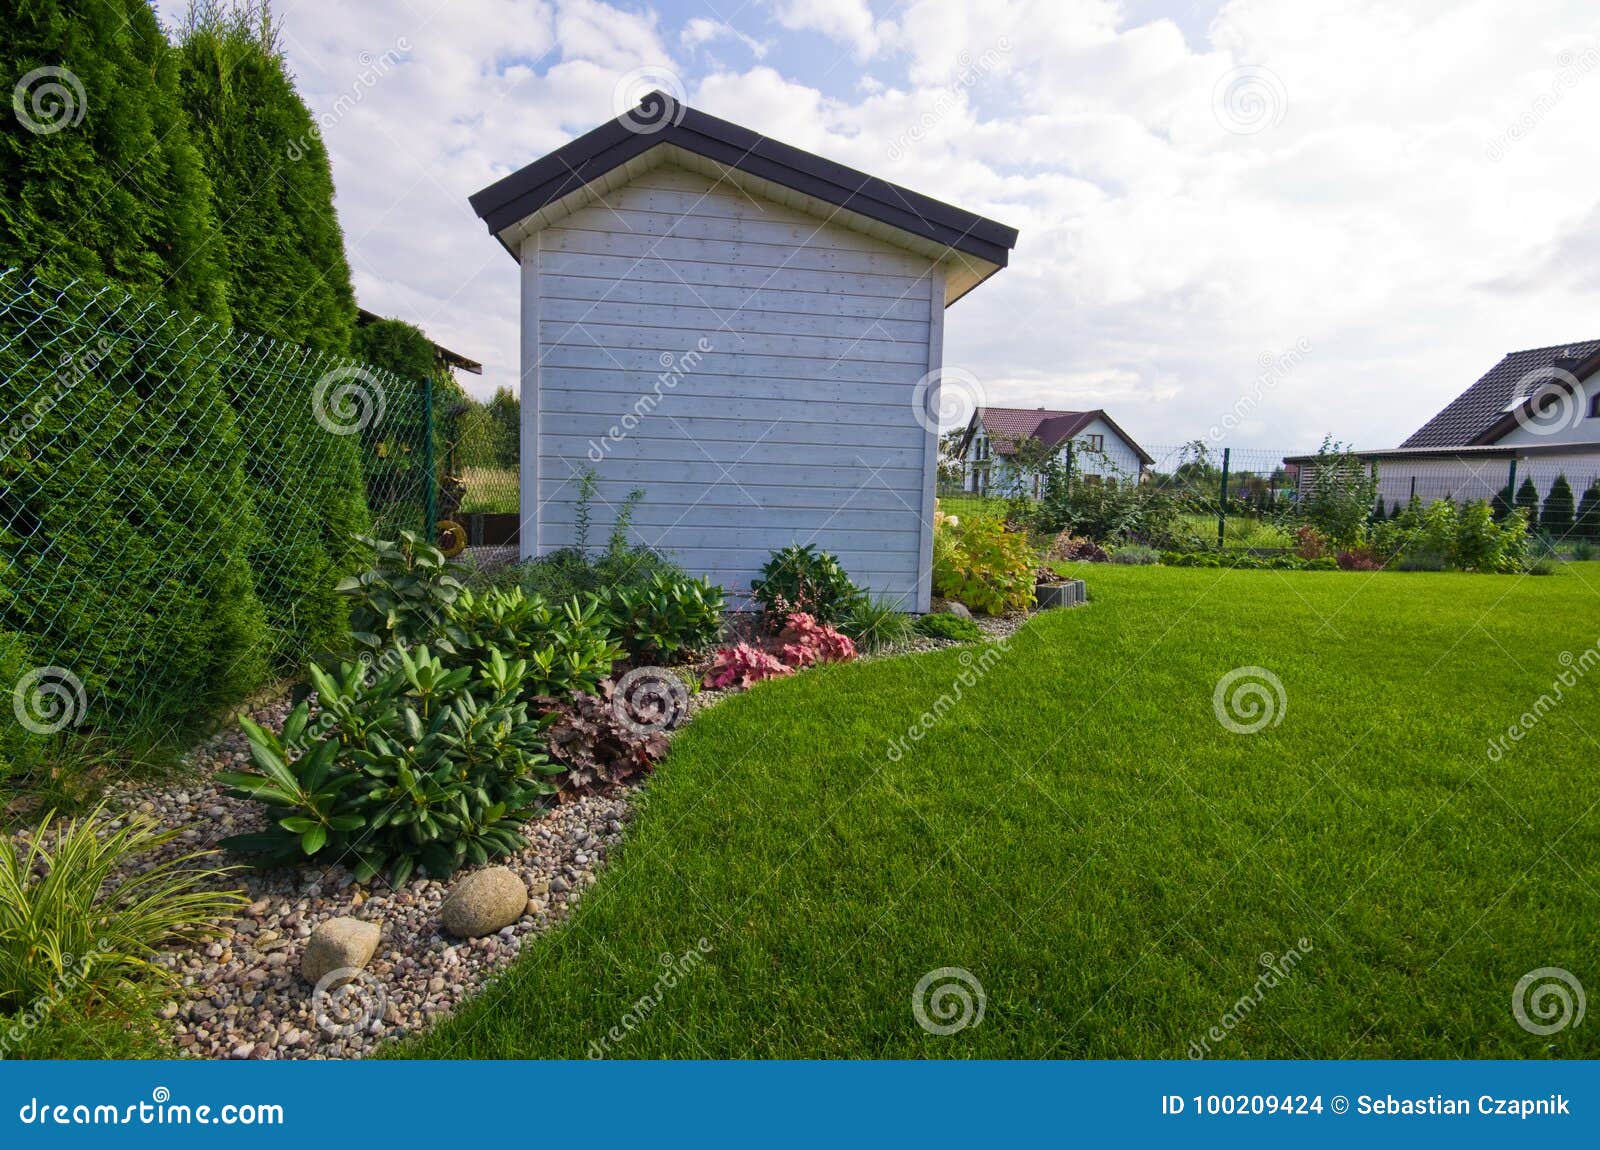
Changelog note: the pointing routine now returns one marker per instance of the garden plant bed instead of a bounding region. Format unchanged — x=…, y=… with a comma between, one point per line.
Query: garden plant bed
x=1083, y=835
x=242, y=994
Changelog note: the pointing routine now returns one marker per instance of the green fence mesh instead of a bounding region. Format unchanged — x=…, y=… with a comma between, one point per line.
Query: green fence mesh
x=177, y=500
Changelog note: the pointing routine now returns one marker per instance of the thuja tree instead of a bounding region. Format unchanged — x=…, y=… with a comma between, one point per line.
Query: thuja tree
x=1528, y=500
x=288, y=279
x=99, y=175
x=1586, y=523
x=1555, y=519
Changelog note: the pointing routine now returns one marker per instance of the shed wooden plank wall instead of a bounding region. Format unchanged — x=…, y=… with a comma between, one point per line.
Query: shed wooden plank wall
x=751, y=368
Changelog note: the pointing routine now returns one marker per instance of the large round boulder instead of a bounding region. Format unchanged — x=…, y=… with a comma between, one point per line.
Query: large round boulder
x=339, y=944
x=483, y=902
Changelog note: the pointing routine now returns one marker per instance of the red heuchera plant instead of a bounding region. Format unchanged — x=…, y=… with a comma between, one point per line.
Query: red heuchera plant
x=742, y=666
x=804, y=641
x=1309, y=543
x=1360, y=559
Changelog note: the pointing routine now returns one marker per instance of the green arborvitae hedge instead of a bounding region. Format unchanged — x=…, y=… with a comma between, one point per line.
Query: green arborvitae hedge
x=289, y=280
x=125, y=517
x=1556, y=517
x=1587, y=520
x=1528, y=500
x=115, y=189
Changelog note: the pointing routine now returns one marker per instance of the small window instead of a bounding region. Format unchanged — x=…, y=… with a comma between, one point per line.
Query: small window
x=1594, y=406
x=1095, y=442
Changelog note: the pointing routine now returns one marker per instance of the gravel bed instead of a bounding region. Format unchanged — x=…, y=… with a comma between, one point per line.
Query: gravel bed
x=242, y=992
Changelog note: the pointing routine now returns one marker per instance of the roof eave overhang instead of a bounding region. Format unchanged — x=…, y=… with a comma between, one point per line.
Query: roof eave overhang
x=971, y=247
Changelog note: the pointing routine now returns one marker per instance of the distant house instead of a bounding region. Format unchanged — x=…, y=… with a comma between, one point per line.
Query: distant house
x=1534, y=415
x=1089, y=442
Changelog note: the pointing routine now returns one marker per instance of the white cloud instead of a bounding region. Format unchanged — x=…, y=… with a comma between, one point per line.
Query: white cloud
x=699, y=32
x=849, y=21
x=1162, y=255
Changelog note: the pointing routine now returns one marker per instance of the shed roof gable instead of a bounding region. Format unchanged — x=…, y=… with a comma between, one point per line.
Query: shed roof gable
x=662, y=129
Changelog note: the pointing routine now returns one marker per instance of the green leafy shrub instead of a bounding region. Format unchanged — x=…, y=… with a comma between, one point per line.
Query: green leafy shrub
x=1245, y=561
x=985, y=566
x=876, y=622
x=1342, y=491
x=1108, y=511
x=944, y=625
x=801, y=578
x=1543, y=565
x=81, y=906
x=418, y=766
x=590, y=744
x=567, y=647
x=404, y=597
x=668, y=616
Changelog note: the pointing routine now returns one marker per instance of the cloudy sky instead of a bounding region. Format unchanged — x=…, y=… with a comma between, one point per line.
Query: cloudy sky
x=1317, y=215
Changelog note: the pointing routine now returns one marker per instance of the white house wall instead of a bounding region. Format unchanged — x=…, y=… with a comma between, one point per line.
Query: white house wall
x=1582, y=428
x=747, y=367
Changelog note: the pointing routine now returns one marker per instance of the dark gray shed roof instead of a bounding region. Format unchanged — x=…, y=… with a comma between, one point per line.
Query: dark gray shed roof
x=1481, y=413
x=660, y=119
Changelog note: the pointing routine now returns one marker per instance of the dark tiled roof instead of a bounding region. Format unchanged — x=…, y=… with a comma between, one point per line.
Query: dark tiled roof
x=1482, y=406
x=660, y=119
x=1006, y=425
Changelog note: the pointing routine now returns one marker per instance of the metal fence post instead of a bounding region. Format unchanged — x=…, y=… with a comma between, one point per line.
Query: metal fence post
x=430, y=488
x=1222, y=502
x=1511, y=486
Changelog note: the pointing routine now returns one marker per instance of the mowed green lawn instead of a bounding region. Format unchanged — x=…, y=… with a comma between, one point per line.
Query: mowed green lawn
x=1082, y=835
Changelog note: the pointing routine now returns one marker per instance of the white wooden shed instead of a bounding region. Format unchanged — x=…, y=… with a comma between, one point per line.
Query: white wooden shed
x=747, y=332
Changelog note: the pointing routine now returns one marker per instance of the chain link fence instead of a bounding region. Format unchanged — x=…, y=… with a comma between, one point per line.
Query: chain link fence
x=177, y=501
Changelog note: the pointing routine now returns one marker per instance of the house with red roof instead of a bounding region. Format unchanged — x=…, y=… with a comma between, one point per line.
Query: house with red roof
x=1089, y=443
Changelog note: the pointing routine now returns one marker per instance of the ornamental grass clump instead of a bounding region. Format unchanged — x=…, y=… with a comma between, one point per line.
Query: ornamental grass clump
x=84, y=910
